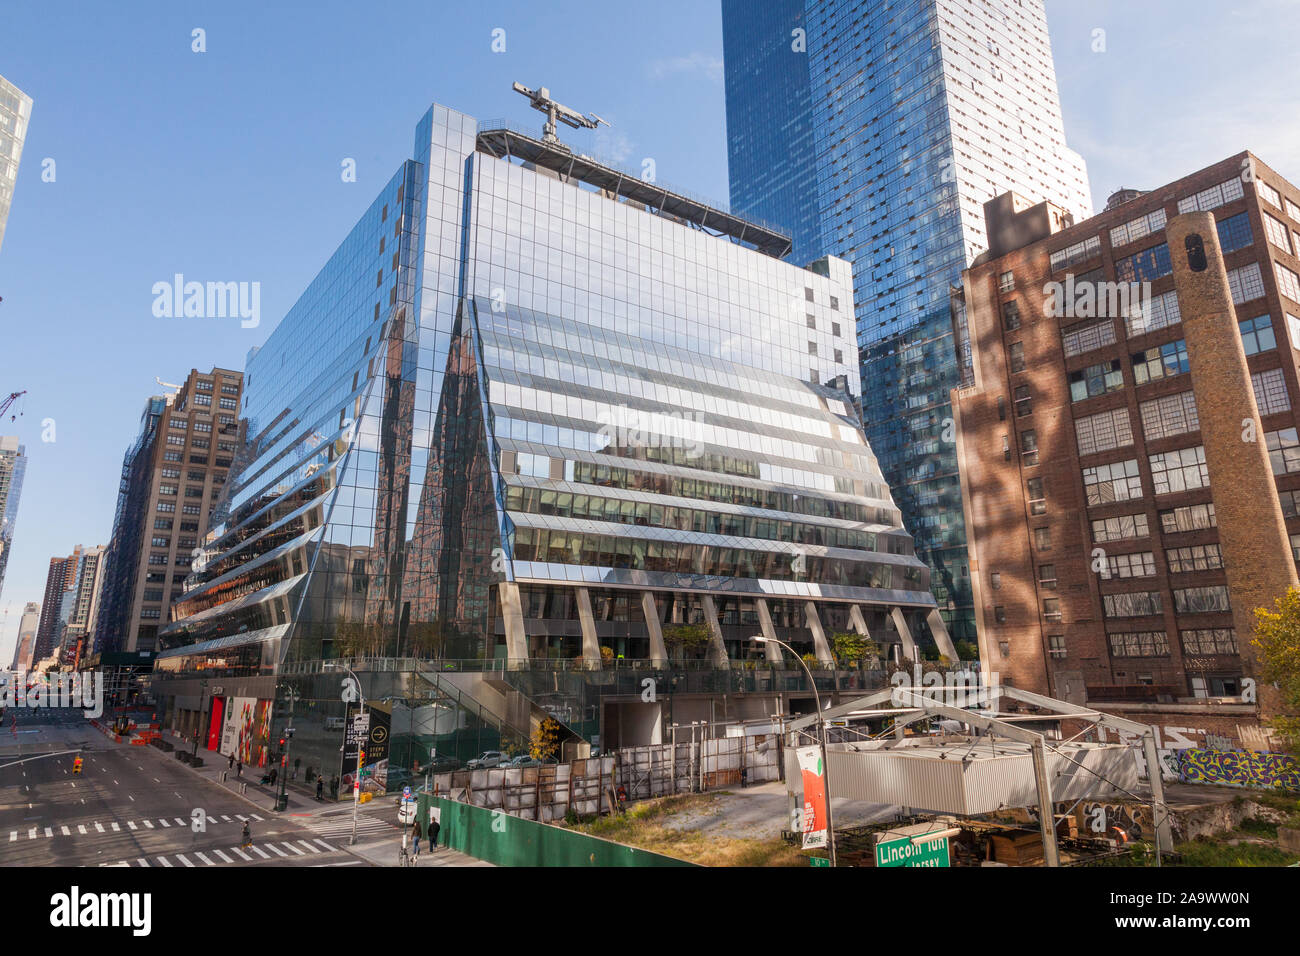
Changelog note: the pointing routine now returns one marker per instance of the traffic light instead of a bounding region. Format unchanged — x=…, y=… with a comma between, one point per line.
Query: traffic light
x=281, y=743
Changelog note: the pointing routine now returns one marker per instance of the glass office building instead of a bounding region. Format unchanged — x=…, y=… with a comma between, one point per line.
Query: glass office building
x=534, y=407
x=15, y=113
x=919, y=112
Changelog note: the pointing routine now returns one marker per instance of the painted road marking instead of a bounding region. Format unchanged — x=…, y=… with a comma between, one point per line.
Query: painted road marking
x=100, y=827
x=294, y=848
x=164, y=861
x=115, y=827
x=180, y=822
x=228, y=820
x=142, y=861
x=223, y=856
x=13, y=835
x=163, y=820
x=241, y=854
x=327, y=847
x=181, y=857
x=66, y=831
x=81, y=828
x=212, y=819
x=49, y=832
x=274, y=849
x=131, y=824
x=204, y=858
x=148, y=824
x=265, y=856
x=308, y=846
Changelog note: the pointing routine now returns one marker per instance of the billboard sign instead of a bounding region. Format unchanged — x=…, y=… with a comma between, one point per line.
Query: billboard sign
x=813, y=773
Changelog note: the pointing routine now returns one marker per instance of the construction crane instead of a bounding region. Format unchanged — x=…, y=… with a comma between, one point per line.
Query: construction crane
x=13, y=397
x=557, y=112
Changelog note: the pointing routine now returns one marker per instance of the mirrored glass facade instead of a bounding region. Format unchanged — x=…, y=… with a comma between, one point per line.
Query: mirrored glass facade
x=15, y=113
x=519, y=416
x=918, y=113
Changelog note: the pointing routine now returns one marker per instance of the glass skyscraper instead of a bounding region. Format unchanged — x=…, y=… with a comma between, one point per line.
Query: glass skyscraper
x=13, y=466
x=15, y=112
x=534, y=408
x=918, y=113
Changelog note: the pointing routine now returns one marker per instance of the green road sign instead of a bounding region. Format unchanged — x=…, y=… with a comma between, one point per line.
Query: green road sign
x=906, y=853
x=818, y=861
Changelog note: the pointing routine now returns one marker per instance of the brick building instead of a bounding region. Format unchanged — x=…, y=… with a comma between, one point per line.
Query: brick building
x=1101, y=564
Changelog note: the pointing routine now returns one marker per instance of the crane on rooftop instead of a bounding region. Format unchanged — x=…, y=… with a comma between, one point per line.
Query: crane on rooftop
x=13, y=397
x=557, y=112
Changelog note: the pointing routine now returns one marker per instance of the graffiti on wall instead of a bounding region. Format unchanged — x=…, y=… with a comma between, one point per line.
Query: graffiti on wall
x=1170, y=742
x=1240, y=768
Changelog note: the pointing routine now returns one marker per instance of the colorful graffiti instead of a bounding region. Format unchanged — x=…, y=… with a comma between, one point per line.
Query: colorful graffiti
x=1240, y=768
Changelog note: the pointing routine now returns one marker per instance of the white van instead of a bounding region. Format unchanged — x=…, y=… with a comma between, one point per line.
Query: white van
x=335, y=723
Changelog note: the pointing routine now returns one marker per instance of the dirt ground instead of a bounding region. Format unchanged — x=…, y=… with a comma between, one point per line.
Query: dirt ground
x=762, y=812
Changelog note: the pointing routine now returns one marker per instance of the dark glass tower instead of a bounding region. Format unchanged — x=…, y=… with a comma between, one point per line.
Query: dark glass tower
x=916, y=119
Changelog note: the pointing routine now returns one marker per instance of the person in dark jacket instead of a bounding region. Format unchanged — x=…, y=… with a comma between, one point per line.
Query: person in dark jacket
x=434, y=827
x=320, y=788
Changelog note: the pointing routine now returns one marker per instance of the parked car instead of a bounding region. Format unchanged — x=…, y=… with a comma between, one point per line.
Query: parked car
x=487, y=759
x=444, y=765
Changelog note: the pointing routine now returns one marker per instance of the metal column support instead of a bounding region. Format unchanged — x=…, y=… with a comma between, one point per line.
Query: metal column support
x=1046, y=818
x=650, y=609
x=512, y=614
x=1159, y=812
x=590, y=643
x=904, y=632
x=717, y=647
x=941, y=636
x=821, y=646
x=771, y=650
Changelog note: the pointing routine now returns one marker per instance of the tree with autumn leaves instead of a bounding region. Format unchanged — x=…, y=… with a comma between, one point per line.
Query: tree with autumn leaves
x=1277, y=639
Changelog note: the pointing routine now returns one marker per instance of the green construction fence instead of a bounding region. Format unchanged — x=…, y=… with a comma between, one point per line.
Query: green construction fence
x=505, y=840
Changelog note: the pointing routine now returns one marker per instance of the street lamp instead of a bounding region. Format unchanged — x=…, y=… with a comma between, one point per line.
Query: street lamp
x=356, y=780
x=282, y=801
x=821, y=727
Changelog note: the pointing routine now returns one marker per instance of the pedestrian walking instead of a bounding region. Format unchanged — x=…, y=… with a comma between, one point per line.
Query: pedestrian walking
x=275, y=772
x=239, y=769
x=433, y=836
x=415, y=837
x=320, y=788
x=232, y=761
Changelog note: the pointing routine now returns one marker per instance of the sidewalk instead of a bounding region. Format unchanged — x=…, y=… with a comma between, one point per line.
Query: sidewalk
x=215, y=765
x=303, y=803
x=385, y=853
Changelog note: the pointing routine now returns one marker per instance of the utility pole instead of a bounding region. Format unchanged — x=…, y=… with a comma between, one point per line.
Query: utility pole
x=821, y=727
x=361, y=748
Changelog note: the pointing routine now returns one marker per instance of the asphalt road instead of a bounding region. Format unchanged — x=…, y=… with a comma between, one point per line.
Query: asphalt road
x=130, y=806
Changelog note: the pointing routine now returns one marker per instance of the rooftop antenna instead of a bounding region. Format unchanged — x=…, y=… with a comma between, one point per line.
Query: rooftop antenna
x=557, y=112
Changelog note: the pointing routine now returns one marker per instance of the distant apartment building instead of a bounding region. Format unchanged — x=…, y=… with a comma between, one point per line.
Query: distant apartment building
x=13, y=466
x=1107, y=565
x=15, y=112
x=26, y=636
x=172, y=475
x=82, y=606
x=64, y=597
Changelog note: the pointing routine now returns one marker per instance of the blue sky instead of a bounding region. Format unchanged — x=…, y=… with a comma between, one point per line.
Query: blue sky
x=225, y=165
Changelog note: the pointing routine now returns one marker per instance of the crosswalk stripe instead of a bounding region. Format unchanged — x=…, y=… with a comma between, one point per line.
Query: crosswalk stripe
x=49, y=832
x=225, y=818
x=212, y=819
x=114, y=826
x=241, y=818
x=148, y=824
x=308, y=846
x=99, y=826
x=181, y=857
x=163, y=821
x=131, y=824
x=258, y=851
x=66, y=831
x=31, y=834
x=223, y=856
x=257, y=818
x=142, y=861
x=274, y=849
x=13, y=835
x=240, y=853
x=325, y=845
x=294, y=848
x=179, y=821
x=204, y=858
x=81, y=828
x=164, y=861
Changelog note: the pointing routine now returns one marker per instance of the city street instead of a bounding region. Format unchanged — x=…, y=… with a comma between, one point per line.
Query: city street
x=135, y=806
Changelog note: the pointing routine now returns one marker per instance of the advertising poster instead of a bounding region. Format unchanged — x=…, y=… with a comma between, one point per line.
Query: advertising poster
x=372, y=727
x=245, y=730
x=814, y=796
x=215, y=722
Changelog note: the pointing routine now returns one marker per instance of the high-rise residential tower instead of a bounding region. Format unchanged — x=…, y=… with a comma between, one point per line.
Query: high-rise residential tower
x=172, y=475
x=535, y=410
x=26, y=636
x=895, y=122
x=13, y=466
x=15, y=112
x=60, y=596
